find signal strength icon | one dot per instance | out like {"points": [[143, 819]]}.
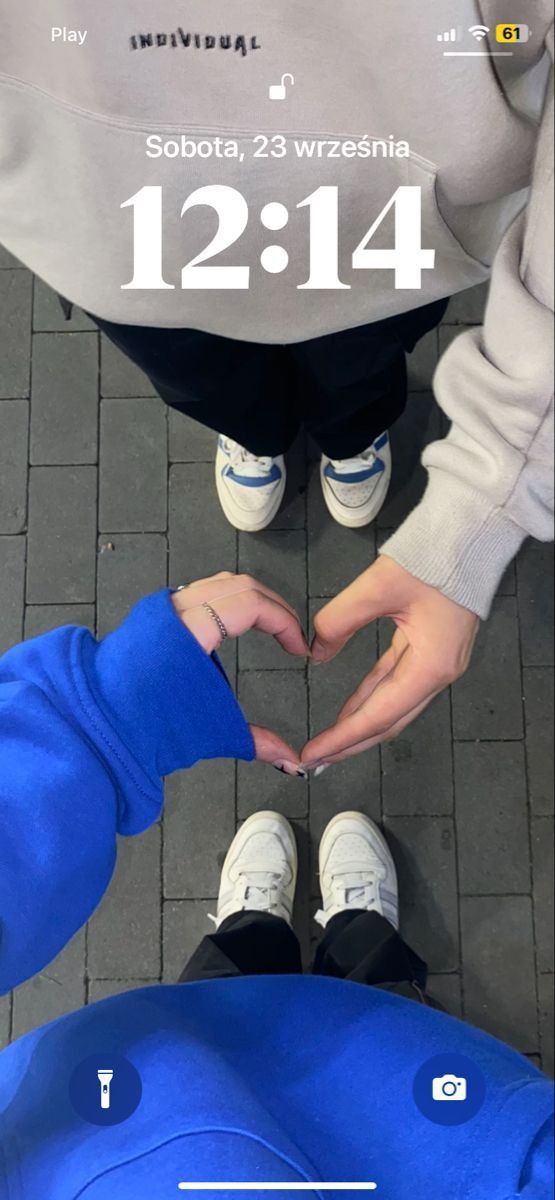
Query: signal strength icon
{"points": [[479, 32], [452, 35]]}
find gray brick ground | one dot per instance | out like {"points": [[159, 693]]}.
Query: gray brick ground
{"points": [[487, 701], [535, 601], [497, 934], [130, 565], [490, 783], [58, 989], [5, 1020], [41, 618], [166, 882], [543, 868], [14, 435], [64, 411], [133, 473], [124, 934], [61, 540], [538, 697], [16, 289], [425, 855], [12, 588]]}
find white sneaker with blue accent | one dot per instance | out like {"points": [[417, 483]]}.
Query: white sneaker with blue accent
{"points": [[355, 488], [356, 870], [250, 488], [260, 870]]}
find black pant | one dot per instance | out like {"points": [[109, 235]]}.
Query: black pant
{"points": [[357, 945], [345, 389]]}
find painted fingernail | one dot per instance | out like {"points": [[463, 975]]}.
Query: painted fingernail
{"points": [[320, 770], [289, 768]]}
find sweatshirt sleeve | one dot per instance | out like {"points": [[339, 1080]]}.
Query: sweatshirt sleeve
{"points": [[490, 480], [87, 730]]}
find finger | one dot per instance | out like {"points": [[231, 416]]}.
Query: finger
{"points": [[387, 736], [270, 748], [379, 672], [348, 612], [241, 611], [211, 589], [410, 684]]}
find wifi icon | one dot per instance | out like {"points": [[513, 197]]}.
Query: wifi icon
{"points": [[479, 32]]}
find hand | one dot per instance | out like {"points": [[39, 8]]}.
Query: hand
{"points": [[241, 603], [430, 649]]}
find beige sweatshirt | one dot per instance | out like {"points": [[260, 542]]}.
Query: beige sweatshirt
{"points": [[96, 106]]}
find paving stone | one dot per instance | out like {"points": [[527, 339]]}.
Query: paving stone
{"points": [[185, 924], [467, 308], [101, 989], [5, 1020], [422, 362], [487, 701], [62, 533], [48, 315], [543, 868], [59, 989], [15, 333], [42, 618], [277, 559], [133, 472], [355, 782], [492, 818], [188, 441], [130, 565], [64, 410], [292, 514], [418, 766], [419, 425], [546, 990], [199, 825], [278, 700], [335, 556], [424, 853], [535, 603], [497, 933], [12, 585], [446, 990], [119, 376], [7, 260], [14, 433], [202, 542], [124, 933], [538, 705]]}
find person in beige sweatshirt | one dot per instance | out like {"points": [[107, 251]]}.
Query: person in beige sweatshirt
{"points": [[212, 193]]}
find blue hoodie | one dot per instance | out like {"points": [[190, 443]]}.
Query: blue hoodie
{"points": [[270, 1079]]}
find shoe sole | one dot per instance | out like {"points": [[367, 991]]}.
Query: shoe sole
{"points": [[361, 817], [253, 820], [341, 513], [236, 517]]}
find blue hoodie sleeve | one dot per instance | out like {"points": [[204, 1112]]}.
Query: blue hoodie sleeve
{"points": [[87, 730]]}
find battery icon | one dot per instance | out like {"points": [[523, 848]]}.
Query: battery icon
{"points": [[512, 33]]}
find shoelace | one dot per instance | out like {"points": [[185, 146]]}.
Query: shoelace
{"points": [[347, 891], [243, 462], [347, 466], [260, 894]]}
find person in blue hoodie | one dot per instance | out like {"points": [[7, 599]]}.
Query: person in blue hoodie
{"points": [[246, 1073]]}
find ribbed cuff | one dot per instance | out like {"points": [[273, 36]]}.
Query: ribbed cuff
{"points": [[456, 543]]}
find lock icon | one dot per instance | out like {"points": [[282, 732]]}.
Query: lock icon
{"points": [[278, 91]]}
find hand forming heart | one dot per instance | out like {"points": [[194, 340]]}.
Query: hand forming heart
{"points": [[430, 649]]}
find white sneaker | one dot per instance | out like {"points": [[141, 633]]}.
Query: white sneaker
{"points": [[260, 870], [355, 488], [250, 488], [356, 870]]}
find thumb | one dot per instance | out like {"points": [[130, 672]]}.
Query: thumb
{"points": [[270, 748], [363, 601]]}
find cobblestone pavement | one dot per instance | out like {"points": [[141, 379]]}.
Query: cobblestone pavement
{"points": [[105, 496]]}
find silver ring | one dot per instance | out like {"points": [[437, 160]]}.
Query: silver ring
{"points": [[216, 618]]}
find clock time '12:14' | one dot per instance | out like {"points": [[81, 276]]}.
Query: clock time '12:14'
{"points": [[406, 258]]}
